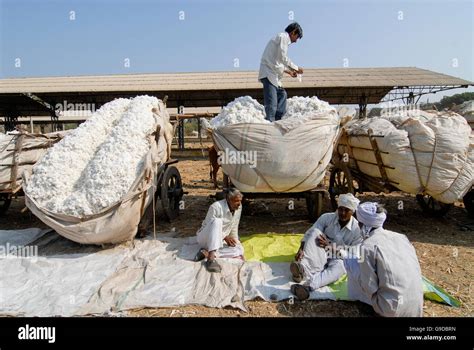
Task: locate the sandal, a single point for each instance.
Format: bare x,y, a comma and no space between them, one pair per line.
297,271
301,292
199,256
213,266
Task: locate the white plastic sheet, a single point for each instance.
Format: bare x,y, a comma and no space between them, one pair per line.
147,273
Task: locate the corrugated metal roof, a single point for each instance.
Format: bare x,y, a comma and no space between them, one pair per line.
208,89
234,80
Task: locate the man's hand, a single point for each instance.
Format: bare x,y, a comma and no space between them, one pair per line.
299,71
322,241
231,241
291,73
299,255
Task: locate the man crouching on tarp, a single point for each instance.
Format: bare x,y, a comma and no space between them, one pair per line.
312,261
221,226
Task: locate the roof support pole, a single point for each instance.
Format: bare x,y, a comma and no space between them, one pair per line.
363,106
180,126
410,98
11,121
55,126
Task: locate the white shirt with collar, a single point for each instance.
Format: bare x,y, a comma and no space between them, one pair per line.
275,59
230,223
329,225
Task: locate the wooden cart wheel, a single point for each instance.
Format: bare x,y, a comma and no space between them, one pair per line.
314,204
339,184
469,202
5,202
431,206
171,192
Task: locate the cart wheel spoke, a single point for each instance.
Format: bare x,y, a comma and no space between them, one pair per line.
431,206
5,202
171,192
338,184
469,202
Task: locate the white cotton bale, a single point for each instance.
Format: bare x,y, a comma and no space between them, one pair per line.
291,154
95,165
110,179
431,152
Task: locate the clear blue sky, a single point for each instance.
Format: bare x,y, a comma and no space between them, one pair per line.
432,34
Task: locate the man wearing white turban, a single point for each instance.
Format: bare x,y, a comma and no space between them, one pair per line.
387,275
312,261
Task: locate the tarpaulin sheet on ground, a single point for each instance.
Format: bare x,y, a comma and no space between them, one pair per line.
69,279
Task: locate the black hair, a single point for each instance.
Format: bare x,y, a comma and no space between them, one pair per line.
381,209
295,26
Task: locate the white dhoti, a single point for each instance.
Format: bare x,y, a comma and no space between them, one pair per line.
319,271
211,238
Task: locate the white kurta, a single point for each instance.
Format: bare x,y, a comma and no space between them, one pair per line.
388,277
319,270
275,59
218,224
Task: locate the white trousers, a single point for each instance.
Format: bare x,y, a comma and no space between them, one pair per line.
319,270
211,237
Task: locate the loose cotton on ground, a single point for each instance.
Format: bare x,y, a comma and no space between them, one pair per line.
431,153
87,186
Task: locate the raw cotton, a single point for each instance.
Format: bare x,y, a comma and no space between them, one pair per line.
94,166
243,109
430,153
299,111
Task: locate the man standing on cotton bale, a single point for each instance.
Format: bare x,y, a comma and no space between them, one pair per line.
312,261
273,64
221,226
387,275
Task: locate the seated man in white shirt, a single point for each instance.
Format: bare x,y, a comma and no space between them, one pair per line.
387,275
273,64
221,226
314,263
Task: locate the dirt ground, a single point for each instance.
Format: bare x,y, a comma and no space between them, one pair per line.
444,245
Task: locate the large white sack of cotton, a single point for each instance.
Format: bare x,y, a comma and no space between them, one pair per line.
290,155
431,153
88,185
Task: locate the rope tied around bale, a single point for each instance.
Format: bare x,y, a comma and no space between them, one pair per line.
423,186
